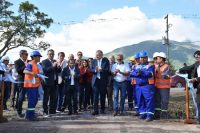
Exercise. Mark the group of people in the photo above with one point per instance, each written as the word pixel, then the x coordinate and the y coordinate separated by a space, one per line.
pixel 78 84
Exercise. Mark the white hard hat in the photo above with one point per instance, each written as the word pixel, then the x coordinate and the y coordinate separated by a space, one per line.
pixel 162 54
pixel 5 58
pixel 155 54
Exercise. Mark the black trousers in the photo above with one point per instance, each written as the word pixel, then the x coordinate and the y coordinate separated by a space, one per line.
pixel 50 99
pixel 99 89
pixel 22 93
pixel 71 98
pixel 84 97
pixel 7 87
pixel 14 95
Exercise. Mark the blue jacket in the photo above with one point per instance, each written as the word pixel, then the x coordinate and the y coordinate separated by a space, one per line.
pixel 142 73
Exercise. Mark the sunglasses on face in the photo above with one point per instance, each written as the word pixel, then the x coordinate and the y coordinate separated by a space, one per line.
pixel 197 57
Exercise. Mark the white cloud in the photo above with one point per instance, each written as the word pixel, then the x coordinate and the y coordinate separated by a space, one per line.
pixel 116 28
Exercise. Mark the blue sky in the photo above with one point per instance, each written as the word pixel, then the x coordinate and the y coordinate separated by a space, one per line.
pixel 138 20
pixel 65 11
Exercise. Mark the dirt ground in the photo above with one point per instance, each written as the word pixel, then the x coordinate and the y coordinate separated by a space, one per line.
pixel 103 123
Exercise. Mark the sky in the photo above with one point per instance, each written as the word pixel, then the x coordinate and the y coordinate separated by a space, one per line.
pixel 89 25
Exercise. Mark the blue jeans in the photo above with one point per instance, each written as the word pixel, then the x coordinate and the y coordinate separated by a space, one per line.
pixel 122 87
pixel 41 93
pixel 198 105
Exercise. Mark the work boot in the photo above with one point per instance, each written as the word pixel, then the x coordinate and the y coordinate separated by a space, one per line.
pixel 114 113
pixel 157 115
pixel 148 119
pixel 164 115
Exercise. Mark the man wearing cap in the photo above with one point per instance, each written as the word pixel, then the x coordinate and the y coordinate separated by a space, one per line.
pixel 144 80
pixel 195 69
pixel 20 65
pixel 162 84
pixel 31 84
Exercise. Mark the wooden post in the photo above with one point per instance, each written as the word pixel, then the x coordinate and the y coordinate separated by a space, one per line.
pixel 187 111
pixel 2 119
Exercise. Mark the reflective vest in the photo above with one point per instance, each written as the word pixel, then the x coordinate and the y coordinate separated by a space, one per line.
pixel 162 78
pixel 133 81
pixel 150 80
pixel 29 79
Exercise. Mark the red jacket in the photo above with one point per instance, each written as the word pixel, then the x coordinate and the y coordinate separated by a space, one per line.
pixel 86 75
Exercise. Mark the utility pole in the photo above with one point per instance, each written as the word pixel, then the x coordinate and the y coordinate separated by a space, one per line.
pixel 167 36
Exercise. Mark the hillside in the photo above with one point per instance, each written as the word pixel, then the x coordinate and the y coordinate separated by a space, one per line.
pixel 180 52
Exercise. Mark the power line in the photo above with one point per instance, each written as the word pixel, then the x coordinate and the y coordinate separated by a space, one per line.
pixel 101 20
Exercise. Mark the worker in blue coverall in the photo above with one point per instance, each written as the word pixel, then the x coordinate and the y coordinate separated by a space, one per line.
pixel 32 82
pixel 144 80
pixel 137 62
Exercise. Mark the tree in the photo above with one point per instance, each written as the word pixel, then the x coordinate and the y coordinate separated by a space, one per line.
pixel 22 29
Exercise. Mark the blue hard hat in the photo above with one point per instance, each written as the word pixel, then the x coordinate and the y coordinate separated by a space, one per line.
pixel 35 53
pixel 143 54
pixel 137 55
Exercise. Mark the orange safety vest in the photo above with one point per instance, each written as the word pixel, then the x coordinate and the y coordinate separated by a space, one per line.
pixel 133 81
pixel 29 78
pixel 162 82
pixel 150 80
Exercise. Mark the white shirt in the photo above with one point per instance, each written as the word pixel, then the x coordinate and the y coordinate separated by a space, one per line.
pixel 72 72
pixel 123 68
pixel 14 74
pixel 99 66
pixel 198 71
pixel 5 69
pixel 52 62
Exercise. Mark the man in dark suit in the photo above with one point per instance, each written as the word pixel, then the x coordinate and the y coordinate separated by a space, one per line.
pixel 20 65
pixel 51 70
pixel 195 69
pixel 71 75
pixel 100 69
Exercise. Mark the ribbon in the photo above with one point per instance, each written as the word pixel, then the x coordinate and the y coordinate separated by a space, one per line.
pixel 9 78
pixel 192 91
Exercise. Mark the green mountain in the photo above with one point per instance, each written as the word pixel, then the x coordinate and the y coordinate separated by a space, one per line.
pixel 179 52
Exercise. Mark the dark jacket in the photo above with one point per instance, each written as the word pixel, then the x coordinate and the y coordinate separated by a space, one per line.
pixel 67 78
pixel 20 66
pixel 192 69
pixel 51 72
pixel 105 65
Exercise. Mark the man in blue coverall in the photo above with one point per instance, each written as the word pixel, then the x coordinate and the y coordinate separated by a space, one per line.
pixel 144 77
